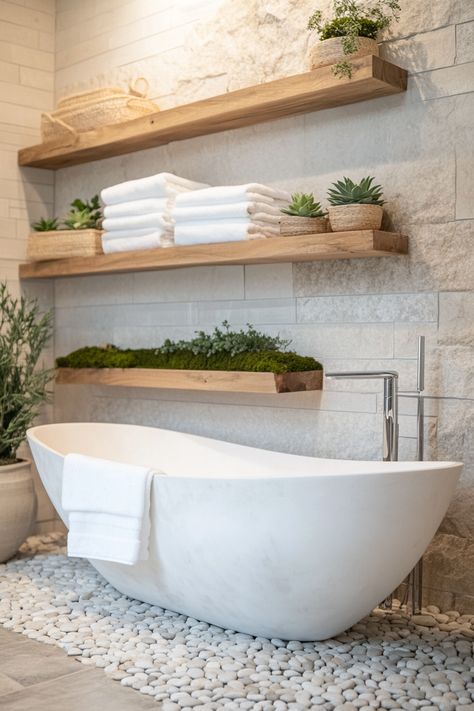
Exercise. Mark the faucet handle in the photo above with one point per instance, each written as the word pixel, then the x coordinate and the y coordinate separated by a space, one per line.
pixel 364 374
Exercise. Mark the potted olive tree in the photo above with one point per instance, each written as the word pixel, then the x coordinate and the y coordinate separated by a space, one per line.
pixel 355 206
pixel 350 33
pixel 24 332
pixel 303 216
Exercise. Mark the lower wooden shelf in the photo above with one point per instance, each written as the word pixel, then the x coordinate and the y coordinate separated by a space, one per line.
pixel 218 380
pixel 297 248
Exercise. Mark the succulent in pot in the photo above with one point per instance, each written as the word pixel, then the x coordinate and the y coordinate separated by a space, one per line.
pixel 303 216
pixel 46 225
pixel 84 215
pixel 351 33
pixel 24 332
pixel 355 206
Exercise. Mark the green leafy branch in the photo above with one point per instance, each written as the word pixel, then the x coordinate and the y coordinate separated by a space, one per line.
pixel 24 332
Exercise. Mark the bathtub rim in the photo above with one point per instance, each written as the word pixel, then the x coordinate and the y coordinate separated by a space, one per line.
pixel 374 467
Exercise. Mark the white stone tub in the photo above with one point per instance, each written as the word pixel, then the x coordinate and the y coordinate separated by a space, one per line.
pixel 271 544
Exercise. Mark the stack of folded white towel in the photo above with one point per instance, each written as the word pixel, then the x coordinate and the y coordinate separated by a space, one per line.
pixel 138 212
pixel 227 213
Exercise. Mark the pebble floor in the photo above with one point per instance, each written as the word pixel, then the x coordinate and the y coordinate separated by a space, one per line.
pixel 389 660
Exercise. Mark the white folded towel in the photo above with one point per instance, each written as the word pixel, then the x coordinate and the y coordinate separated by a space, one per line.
pixel 224 211
pixel 230 210
pixel 259 218
pixel 154 220
pixel 231 193
pixel 130 234
pixel 207 232
pixel 108 506
pixel 160 185
pixel 138 207
pixel 132 242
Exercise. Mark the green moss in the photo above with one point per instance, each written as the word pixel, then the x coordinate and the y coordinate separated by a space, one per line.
pixel 260 362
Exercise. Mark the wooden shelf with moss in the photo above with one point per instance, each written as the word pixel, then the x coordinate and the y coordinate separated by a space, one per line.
pixel 263 371
pixel 298 248
pixel 218 380
pixel 312 91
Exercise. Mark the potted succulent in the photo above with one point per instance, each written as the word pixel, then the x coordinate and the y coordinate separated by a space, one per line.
pixel 23 334
pixel 350 33
pixel 81 238
pixel 355 206
pixel 304 216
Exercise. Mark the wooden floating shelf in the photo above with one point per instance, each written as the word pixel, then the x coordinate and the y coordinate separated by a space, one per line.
pixel 319 89
pixel 218 380
pixel 299 248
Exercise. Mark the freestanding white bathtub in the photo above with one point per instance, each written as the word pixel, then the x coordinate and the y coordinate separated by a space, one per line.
pixel 271 544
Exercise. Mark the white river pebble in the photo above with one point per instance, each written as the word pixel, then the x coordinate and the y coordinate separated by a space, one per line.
pixel 389 660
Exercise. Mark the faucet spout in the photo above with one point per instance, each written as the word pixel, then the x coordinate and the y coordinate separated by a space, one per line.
pixel 390 405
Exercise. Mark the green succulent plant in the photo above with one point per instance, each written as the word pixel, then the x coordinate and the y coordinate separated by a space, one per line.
pixel 46 225
pixel 353 19
pixel 346 192
pixel 303 205
pixel 84 215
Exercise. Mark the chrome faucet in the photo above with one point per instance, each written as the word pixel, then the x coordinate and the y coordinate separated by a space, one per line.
pixel 390 405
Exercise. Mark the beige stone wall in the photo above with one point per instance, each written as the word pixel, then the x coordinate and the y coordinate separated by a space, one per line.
pixel 361 314
pixel 26 89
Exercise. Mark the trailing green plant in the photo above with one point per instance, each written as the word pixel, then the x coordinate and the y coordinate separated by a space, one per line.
pixel 223 340
pixel 263 361
pixel 46 225
pixel 346 192
pixel 24 332
pixel 353 19
pixel 303 205
pixel 84 215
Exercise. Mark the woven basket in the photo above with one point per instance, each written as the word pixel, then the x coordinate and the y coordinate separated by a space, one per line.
pixel 355 217
pixel 294 225
pixel 92 109
pixel 330 51
pixel 60 244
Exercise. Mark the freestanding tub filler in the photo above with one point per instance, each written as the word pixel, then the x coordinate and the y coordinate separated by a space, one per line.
pixel 277 545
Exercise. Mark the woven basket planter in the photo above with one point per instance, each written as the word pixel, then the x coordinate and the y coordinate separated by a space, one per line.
pixel 61 244
pixel 294 225
pixel 330 51
pixel 355 217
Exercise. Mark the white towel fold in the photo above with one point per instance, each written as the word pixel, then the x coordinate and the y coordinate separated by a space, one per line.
pixel 208 232
pixel 231 193
pixel 109 509
pixel 131 234
pixel 259 218
pixel 132 241
pixel 152 221
pixel 160 185
pixel 225 211
pixel 138 207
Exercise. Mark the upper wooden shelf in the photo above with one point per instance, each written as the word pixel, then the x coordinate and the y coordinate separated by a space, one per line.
pixel 298 248
pixel 312 91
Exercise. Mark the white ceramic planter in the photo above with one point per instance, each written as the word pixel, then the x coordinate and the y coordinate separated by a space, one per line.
pixel 344 218
pixel 294 225
pixel 17 506
pixel 330 51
